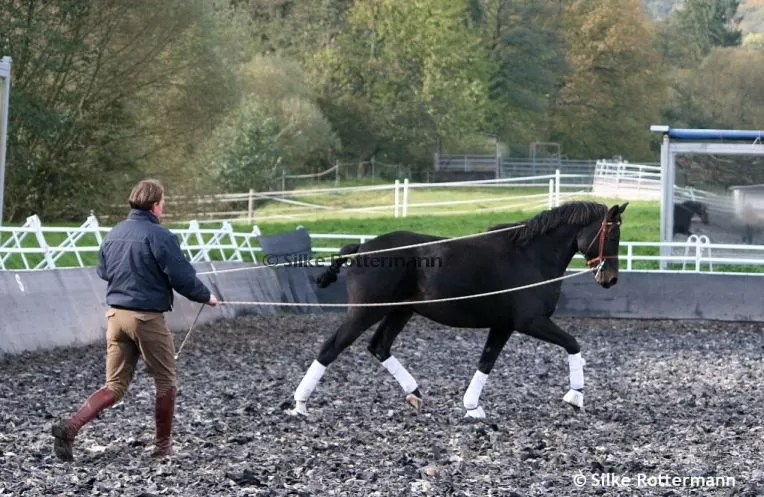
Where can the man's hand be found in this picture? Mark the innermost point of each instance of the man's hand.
(213, 301)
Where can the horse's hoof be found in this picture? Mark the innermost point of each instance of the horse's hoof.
(300, 409)
(414, 401)
(477, 413)
(575, 398)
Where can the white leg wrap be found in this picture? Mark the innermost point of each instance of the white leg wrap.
(309, 382)
(406, 381)
(576, 364)
(472, 395)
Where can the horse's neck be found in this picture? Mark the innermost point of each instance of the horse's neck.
(561, 248)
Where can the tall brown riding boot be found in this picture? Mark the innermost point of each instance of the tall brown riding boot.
(65, 430)
(164, 410)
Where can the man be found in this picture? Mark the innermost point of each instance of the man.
(142, 263)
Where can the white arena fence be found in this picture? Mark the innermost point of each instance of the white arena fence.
(30, 247)
(401, 198)
(397, 198)
(621, 179)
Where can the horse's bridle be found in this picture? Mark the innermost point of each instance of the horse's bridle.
(602, 234)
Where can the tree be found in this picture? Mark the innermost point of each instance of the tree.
(243, 152)
(409, 71)
(524, 44)
(605, 106)
(730, 94)
(282, 88)
(100, 90)
(688, 34)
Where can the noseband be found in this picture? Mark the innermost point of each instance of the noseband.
(602, 236)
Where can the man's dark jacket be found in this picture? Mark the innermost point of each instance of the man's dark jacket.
(142, 262)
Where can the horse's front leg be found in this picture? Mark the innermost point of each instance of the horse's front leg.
(497, 338)
(545, 329)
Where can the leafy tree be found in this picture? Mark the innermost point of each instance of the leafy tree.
(282, 87)
(524, 42)
(243, 152)
(105, 93)
(410, 71)
(731, 92)
(606, 104)
(688, 34)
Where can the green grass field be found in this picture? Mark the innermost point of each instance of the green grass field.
(380, 203)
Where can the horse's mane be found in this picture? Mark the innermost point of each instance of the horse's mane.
(579, 213)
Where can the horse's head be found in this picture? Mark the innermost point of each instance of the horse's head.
(599, 243)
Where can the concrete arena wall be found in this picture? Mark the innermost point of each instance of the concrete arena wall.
(673, 296)
(681, 296)
(66, 307)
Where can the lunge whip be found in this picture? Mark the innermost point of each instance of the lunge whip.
(189, 331)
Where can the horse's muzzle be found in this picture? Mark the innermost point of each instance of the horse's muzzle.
(606, 278)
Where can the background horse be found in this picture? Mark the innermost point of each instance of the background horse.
(538, 251)
(684, 212)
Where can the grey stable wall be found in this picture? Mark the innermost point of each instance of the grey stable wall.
(66, 307)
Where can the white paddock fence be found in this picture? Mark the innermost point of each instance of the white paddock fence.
(401, 198)
(37, 247)
(396, 199)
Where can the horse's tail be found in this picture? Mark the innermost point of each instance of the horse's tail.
(330, 275)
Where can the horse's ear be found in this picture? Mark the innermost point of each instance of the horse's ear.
(616, 211)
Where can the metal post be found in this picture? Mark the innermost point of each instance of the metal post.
(336, 173)
(250, 205)
(557, 188)
(405, 197)
(397, 182)
(5, 98)
(667, 199)
(34, 221)
(498, 157)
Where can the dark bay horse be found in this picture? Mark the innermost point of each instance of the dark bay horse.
(684, 212)
(540, 250)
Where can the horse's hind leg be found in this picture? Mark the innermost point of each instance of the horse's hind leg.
(357, 321)
(379, 346)
(497, 338)
(545, 329)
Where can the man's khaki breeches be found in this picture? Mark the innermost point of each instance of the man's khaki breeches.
(132, 334)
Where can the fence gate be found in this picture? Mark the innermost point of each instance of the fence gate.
(678, 141)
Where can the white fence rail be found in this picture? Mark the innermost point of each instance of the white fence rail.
(28, 247)
(398, 205)
(611, 178)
